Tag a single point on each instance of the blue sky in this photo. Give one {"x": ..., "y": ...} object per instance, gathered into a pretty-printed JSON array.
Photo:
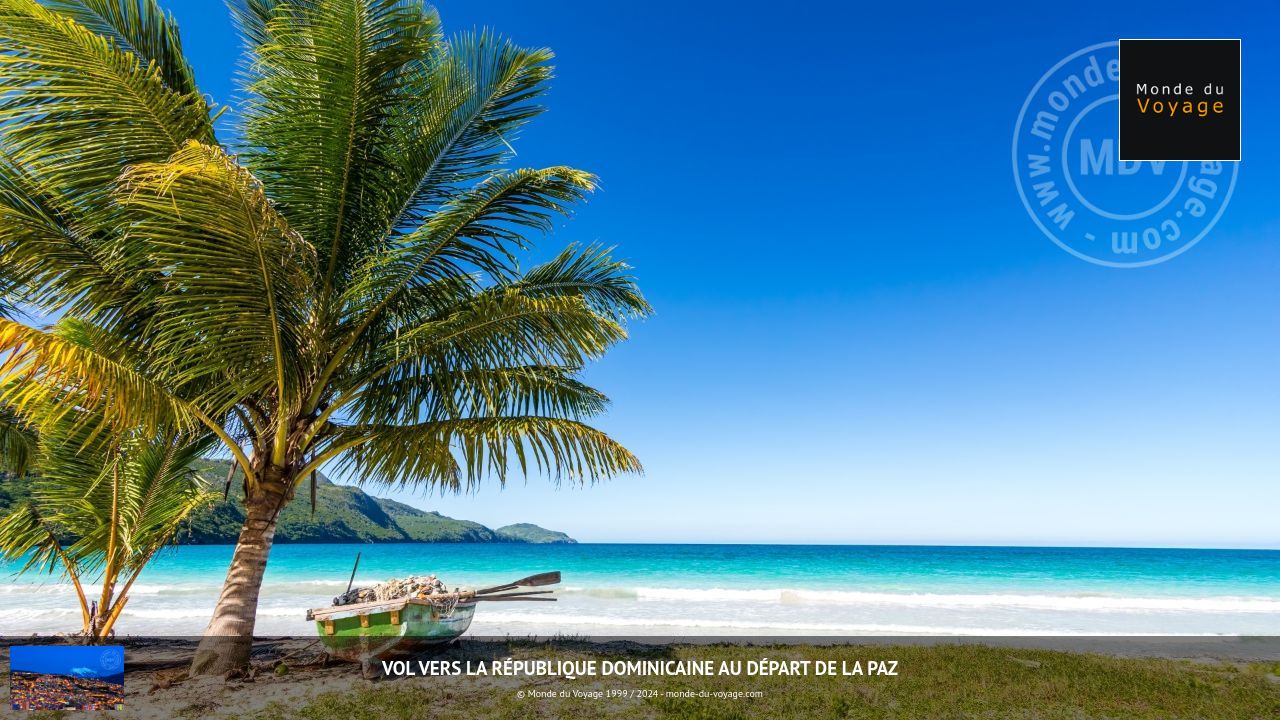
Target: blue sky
[{"x": 861, "y": 337}]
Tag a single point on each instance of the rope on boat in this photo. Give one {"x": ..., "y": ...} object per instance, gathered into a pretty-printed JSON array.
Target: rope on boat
[
  {"x": 446, "y": 604},
  {"x": 414, "y": 586}
]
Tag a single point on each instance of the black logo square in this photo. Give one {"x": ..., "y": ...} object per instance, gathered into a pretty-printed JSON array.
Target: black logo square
[{"x": 1179, "y": 100}]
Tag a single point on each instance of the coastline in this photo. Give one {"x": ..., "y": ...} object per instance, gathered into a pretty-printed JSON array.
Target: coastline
[{"x": 698, "y": 590}]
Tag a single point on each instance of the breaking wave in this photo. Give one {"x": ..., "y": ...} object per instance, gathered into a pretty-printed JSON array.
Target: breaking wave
[
  {"x": 1075, "y": 603},
  {"x": 541, "y": 622}
]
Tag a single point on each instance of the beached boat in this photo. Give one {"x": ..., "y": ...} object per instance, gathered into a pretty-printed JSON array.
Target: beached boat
[
  {"x": 385, "y": 629},
  {"x": 394, "y": 628}
]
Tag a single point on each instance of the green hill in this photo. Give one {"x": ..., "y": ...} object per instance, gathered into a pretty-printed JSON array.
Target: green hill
[
  {"x": 530, "y": 533},
  {"x": 343, "y": 514}
]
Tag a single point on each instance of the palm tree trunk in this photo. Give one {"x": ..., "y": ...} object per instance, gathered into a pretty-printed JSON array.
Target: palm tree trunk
[
  {"x": 110, "y": 571},
  {"x": 228, "y": 639},
  {"x": 74, "y": 574},
  {"x": 123, "y": 597}
]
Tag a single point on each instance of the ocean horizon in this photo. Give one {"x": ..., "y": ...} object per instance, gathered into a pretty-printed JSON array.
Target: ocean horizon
[{"x": 707, "y": 590}]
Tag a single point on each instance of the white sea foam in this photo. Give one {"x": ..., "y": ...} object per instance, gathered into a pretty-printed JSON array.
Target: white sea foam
[
  {"x": 170, "y": 613},
  {"x": 705, "y": 625},
  {"x": 182, "y": 605},
  {"x": 67, "y": 589},
  {"x": 206, "y": 611},
  {"x": 7, "y": 614},
  {"x": 29, "y": 588},
  {"x": 1087, "y": 603}
]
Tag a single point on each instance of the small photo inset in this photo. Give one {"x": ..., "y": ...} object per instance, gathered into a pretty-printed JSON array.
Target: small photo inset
[{"x": 61, "y": 677}]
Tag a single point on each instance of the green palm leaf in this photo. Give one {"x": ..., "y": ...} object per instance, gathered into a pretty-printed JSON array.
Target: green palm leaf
[
  {"x": 53, "y": 375},
  {"x": 457, "y": 454},
  {"x": 75, "y": 108},
  {"x": 324, "y": 84},
  {"x": 27, "y": 538},
  {"x": 205, "y": 223},
  {"x": 153, "y": 486},
  {"x": 139, "y": 27},
  {"x": 471, "y": 107}
]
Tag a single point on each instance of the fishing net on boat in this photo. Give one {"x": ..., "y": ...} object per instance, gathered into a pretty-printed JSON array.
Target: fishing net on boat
[{"x": 413, "y": 586}]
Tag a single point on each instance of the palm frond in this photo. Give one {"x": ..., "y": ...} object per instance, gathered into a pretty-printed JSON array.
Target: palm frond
[
  {"x": 154, "y": 488},
  {"x": 206, "y": 224},
  {"x": 446, "y": 393},
  {"x": 45, "y": 257},
  {"x": 592, "y": 274},
  {"x": 324, "y": 80},
  {"x": 27, "y": 538},
  {"x": 75, "y": 108},
  {"x": 563, "y": 312},
  {"x": 494, "y": 329},
  {"x": 476, "y": 231},
  {"x": 52, "y": 374},
  {"x": 140, "y": 27},
  {"x": 125, "y": 494},
  {"x": 456, "y": 454},
  {"x": 251, "y": 18},
  {"x": 473, "y": 102},
  {"x": 8, "y": 283}
]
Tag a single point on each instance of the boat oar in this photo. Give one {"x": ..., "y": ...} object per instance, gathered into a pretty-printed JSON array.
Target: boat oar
[
  {"x": 513, "y": 598},
  {"x": 353, "y": 572},
  {"x": 547, "y": 578},
  {"x": 515, "y": 594}
]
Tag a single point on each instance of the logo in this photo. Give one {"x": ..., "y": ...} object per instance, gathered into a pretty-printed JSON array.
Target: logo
[
  {"x": 1180, "y": 100},
  {"x": 111, "y": 659},
  {"x": 1069, "y": 175}
]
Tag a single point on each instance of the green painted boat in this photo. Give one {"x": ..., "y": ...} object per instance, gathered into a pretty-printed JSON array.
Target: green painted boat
[
  {"x": 386, "y": 629},
  {"x": 383, "y": 630}
]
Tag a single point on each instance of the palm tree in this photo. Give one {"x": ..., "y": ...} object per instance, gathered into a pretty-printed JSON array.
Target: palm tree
[
  {"x": 102, "y": 507},
  {"x": 342, "y": 284}
]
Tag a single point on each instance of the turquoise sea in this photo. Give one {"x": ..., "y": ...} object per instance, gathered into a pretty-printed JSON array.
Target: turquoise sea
[{"x": 728, "y": 589}]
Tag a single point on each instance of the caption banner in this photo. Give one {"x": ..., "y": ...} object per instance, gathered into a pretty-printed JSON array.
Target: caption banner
[{"x": 571, "y": 669}]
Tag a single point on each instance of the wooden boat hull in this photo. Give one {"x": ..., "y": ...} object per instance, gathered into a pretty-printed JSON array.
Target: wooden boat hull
[{"x": 393, "y": 629}]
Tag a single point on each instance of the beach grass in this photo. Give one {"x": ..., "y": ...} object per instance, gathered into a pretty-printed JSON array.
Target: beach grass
[{"x": 941, "y": 681}]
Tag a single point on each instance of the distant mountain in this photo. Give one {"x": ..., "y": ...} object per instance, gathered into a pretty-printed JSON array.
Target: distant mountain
[
  {"x": 343, "y": 514},
  {"x": 530, "y": 533},
  {"x": 434, "y": 527}
]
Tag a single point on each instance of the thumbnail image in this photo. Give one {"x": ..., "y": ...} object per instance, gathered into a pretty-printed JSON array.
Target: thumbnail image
[{"x": 59, "y": 677}]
